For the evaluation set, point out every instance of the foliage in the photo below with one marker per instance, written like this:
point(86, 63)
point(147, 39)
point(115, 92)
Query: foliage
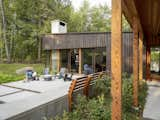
point(90, 19)
point(93, 109)
point(143, 88)
point(129, 112)
point(4, 78)
point(98, 108)
point(8, 71)
point(127, 93)
point(155, 56)
point(27, 21)
point(102, 86)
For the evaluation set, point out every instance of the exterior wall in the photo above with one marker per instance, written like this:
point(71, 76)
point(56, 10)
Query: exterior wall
point(92, 40)
point(127, 61)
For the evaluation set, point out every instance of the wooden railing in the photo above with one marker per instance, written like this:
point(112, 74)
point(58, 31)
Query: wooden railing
point(82, 83)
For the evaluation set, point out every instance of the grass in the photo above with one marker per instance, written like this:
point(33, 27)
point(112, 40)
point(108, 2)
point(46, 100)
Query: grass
point(8, 71)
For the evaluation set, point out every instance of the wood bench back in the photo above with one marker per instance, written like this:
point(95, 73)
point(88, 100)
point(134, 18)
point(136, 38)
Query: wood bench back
point(78, 84)
point(95, 77)
point(82, 83)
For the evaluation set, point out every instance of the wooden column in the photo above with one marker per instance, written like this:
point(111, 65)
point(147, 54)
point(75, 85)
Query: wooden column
point(69, 60)
point(80, 61)
point(59, 60)
point(140, 56)
point(148, 60)
point(116, 59)
point(135, 63)
point(50, 67)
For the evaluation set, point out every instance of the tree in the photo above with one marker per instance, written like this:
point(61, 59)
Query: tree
point(4, 31)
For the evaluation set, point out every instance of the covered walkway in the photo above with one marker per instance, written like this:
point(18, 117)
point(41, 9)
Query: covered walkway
point(152, 108)
point(143, 17)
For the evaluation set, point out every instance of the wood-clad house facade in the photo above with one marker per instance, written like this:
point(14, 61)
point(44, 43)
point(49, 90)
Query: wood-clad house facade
point(57, 43)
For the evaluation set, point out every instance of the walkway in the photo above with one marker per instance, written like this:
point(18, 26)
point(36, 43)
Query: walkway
point(152, 108)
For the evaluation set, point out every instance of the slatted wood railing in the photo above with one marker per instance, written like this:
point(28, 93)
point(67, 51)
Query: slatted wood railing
point(82, 83)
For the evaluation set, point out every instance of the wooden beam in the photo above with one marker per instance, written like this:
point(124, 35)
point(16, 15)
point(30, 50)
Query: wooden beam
point(135, 63)
point(80, 61)
point(140, 56)
point(130, 11)
point(58, 60)
point(148, 60)
point(116, 59)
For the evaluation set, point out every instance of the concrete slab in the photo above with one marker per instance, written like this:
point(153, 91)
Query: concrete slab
point(34, 99)
point(40, 86)
point(23, 107)
point(7, 90)
point(17, 96)
point(152, 107)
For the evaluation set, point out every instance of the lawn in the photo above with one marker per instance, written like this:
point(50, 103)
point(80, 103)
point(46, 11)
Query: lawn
point(8, 71)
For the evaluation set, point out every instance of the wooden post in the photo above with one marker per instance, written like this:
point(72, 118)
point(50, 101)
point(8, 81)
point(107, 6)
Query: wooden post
point(80, 61)
point(59, 60)
point(135, 62)
point(140, 56)
point(148, 60)
point(51, 62)
point(69, 60)
point(116, 59)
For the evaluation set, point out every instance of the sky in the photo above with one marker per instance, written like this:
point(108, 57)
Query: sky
point(77, 3)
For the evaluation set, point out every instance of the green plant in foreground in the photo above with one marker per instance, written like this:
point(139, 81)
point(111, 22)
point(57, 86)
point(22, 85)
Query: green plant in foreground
point(4, 78)
point(98, 108)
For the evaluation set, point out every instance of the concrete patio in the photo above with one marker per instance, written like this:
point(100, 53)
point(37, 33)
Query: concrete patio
point(34, 99)
point(152, 108)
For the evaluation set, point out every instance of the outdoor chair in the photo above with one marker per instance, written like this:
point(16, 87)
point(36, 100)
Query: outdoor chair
point(68, 77)
point(62, 73)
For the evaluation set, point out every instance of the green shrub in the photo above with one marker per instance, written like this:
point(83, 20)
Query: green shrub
point(127, 93)
point(143, 88)
point(92, 109)
point(102, 86)
point(4, 78)
point(98, 108)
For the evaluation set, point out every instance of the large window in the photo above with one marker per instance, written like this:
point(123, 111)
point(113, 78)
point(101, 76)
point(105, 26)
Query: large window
point(95, 58)
point(74, 60)
point(64, 58)
point(54, 61)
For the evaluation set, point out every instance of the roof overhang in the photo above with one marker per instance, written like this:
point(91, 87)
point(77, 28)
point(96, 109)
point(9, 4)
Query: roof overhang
point(147, 14)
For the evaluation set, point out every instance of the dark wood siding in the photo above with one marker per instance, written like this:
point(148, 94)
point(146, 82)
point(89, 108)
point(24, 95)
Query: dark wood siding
point(92, 40)
point(74, 40)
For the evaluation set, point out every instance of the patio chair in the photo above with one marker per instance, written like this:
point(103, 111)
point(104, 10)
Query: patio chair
point(68, 77)
point(62, 73)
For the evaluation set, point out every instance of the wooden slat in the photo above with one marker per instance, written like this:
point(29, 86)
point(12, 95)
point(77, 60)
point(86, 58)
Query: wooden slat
point(116, 59)
point(80, 61)
point(135, 62)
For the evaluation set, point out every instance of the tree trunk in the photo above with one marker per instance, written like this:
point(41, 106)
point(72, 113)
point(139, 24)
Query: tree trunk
point(4, 31)
point(39, 49)
point(39, 42)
